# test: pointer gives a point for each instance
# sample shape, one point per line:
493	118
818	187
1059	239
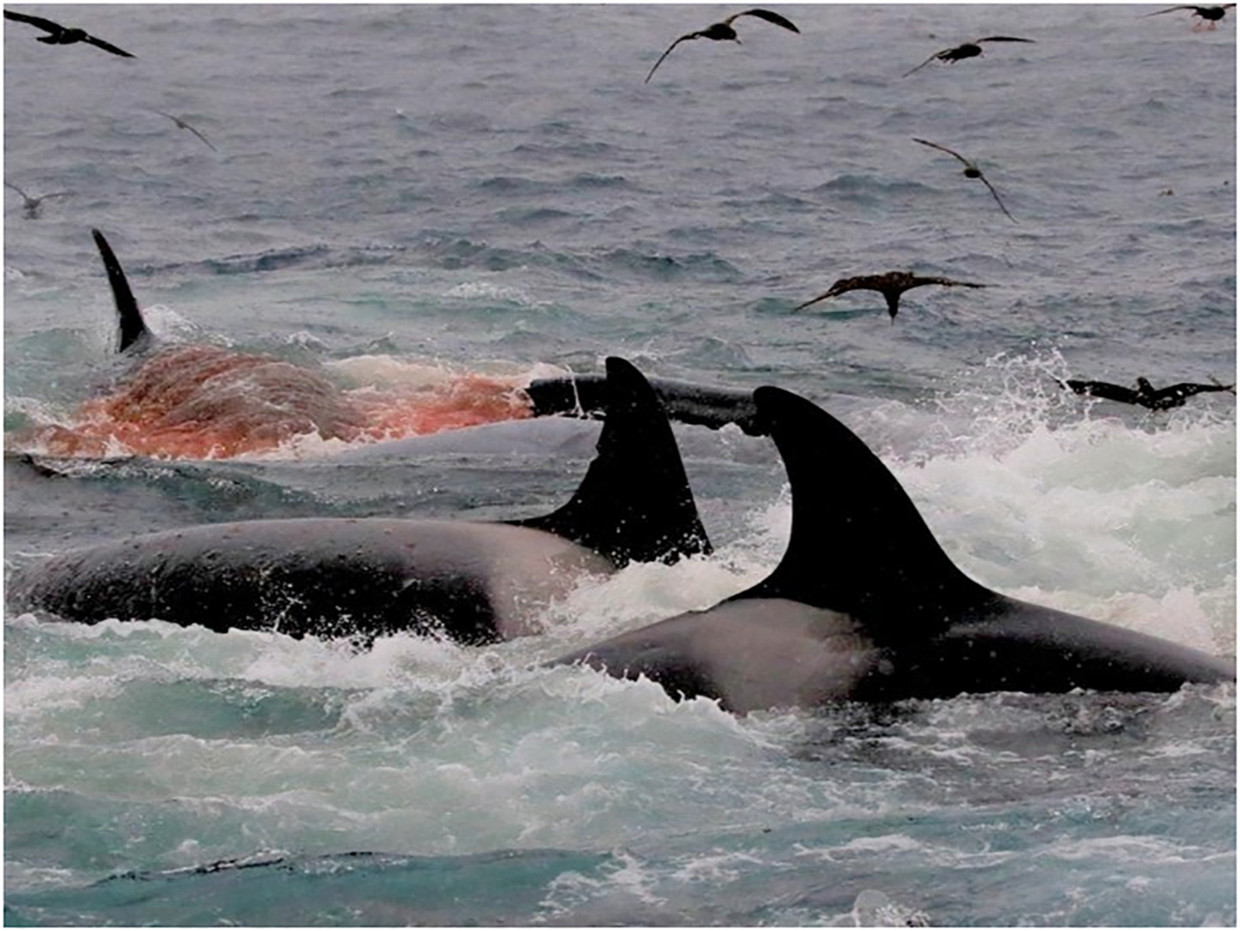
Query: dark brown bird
181	124
1145	394
32	205
890	285
1209	14
723	32
970	171
62	35
960	52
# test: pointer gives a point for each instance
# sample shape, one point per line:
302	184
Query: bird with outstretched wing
723	32
970	171
963	51
63	35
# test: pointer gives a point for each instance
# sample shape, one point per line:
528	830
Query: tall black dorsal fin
133	329
858	544
634	504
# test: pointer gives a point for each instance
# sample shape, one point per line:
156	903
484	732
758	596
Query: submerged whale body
201	401
474	582
866	606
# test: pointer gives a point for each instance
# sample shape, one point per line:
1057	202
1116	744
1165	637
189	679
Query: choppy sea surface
400	195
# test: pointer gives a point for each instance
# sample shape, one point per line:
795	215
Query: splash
207	402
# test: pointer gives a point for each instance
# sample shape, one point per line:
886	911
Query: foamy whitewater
406	200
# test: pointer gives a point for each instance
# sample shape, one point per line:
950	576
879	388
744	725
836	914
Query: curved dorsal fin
634	504
133	331
858	544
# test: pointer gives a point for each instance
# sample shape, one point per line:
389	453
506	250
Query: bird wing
995	194
45	24
1170	9
691	35
1001	39
24	195
942	148
1106	390
927	61
815	300
202	137
766	15
948	282
108	47
1188	389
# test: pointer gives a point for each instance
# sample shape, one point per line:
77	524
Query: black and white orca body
866	606
474	582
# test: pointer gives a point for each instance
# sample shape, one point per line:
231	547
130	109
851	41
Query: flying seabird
30	204
181	124
61	35
967	50
1210	14
723	32
970	171
1145	394
889	284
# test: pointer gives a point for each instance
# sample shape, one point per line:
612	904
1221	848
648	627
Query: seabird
970	171
181	124
967	50
1211	14
30	204
60	35
1145	394
723	32
889	284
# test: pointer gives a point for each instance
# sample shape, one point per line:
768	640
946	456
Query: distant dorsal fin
858	544
634	504
133	331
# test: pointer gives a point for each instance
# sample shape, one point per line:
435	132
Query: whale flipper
634	504
702	405
133	331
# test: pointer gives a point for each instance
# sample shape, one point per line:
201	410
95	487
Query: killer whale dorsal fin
132	328
634	504
858	543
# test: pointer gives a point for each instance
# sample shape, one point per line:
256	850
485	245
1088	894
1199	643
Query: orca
866	606
473	582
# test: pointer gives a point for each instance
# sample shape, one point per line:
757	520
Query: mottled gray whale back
865	605
475	582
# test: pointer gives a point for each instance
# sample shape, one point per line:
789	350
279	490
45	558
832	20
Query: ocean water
405	196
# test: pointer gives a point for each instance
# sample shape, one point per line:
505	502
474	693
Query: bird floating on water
63	35
970	171
1145	394
889	284
31	205
1208	14
181	124
967	50
723	32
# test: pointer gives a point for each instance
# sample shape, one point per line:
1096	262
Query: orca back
132	328
634	504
